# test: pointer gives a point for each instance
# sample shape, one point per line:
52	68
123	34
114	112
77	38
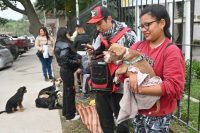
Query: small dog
117	53
15	101
58	82
48	97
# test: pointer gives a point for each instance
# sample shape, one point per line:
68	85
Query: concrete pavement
26	71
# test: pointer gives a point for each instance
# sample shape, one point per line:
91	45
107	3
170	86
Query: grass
195	88
193	108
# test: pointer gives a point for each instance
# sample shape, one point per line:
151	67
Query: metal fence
184	16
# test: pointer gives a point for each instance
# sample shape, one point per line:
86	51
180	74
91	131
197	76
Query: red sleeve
173	73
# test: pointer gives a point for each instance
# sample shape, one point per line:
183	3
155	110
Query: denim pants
107	105
46	65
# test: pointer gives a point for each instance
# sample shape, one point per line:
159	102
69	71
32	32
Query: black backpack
101	75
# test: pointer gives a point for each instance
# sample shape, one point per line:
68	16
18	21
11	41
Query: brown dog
128	57
118	52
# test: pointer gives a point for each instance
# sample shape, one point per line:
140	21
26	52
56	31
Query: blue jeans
46	65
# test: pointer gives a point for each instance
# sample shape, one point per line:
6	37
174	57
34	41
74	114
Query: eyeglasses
146	25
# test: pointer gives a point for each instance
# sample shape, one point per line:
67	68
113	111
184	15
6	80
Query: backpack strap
119	35
115	38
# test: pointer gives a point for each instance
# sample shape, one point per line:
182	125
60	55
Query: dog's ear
117	49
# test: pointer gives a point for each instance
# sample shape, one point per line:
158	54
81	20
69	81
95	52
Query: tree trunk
29	11
32	17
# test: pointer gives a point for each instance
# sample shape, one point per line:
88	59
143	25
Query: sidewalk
26	71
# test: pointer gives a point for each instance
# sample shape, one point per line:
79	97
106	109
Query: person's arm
37	44
73	36
173	77
65	56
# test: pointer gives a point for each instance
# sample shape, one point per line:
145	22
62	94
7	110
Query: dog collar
124	55
141	57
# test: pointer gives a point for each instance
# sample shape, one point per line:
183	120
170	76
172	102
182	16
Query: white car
6	58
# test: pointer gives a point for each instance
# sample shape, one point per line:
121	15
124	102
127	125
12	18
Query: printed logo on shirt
148	59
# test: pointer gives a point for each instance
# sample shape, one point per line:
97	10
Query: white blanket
130	102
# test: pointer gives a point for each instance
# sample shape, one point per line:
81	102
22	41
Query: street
26	71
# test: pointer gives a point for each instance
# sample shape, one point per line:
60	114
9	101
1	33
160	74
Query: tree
68	6
3	21
28	10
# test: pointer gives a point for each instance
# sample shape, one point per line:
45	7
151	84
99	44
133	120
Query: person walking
107	103
44	43
69	61
168	63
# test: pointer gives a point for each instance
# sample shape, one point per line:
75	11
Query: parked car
27	40
22	44
5	41
32	40
6	58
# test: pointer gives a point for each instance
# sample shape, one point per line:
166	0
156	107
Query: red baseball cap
98	13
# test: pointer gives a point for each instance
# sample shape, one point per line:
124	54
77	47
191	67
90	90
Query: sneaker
84	96
76	117
46	78
50	77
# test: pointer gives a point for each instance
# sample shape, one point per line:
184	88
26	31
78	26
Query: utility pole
77	13
45	19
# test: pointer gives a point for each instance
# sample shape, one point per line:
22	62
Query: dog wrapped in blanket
132	61
48	97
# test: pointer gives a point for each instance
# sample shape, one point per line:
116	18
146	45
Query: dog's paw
106	56
21	109
116	80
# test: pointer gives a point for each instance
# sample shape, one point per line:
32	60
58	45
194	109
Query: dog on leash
15	101
128	57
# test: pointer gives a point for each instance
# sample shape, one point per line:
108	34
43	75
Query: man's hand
89	49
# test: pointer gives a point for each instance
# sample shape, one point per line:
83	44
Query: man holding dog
107	103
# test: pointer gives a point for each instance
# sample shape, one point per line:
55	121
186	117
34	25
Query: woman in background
69	61
44	43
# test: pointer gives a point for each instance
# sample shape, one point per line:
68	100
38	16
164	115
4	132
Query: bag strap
115	38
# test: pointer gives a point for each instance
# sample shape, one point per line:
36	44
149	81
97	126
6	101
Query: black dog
15	101
48	98
47	90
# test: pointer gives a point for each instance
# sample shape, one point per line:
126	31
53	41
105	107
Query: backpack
102	73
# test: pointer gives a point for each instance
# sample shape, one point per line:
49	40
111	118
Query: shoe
84	96
50	77
46	78
76	117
